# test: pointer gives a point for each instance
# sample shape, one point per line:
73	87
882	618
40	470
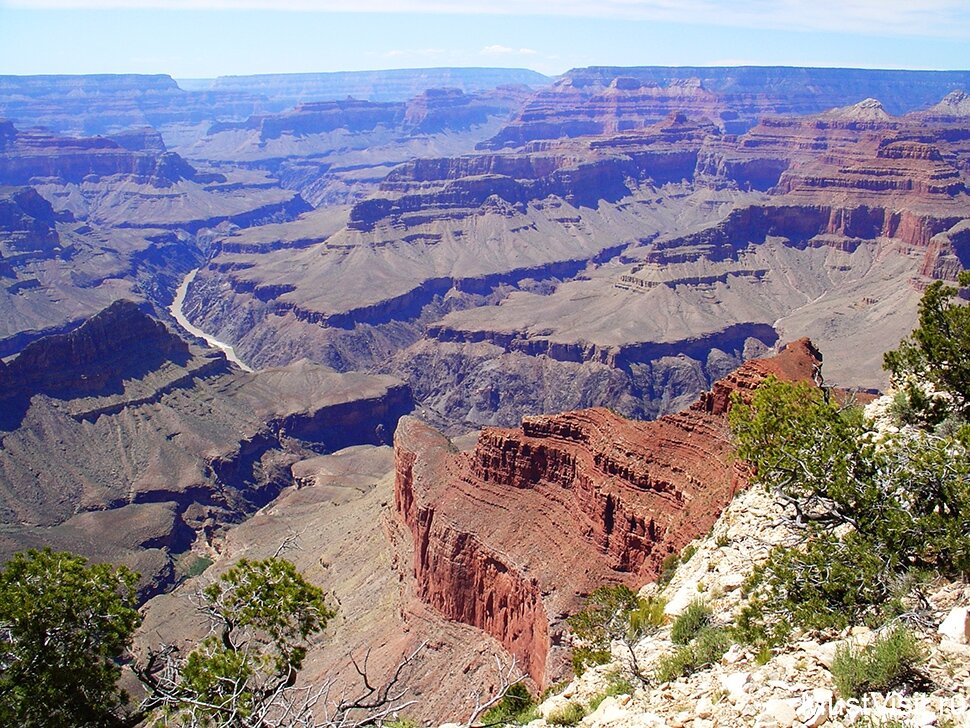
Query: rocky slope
793	684
122	442
509	536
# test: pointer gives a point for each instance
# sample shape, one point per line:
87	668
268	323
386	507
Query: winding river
176	311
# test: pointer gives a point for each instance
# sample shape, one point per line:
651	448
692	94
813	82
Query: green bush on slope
879	509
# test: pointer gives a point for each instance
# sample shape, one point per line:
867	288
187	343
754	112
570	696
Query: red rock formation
509	536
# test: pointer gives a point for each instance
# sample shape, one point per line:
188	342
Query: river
176	311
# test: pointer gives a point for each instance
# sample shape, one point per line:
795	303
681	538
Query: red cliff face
510	536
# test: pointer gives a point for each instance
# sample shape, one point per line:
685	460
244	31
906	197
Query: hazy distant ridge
389	85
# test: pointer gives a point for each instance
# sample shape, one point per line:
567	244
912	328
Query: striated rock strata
509	536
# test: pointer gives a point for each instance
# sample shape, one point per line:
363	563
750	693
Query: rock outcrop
509	535
791	684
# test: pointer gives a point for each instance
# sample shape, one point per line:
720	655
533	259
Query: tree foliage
261	615
613	613
879	504
938	352
64	625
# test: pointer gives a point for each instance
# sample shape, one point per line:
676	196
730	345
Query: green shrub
890	662
513	708
668	567
876	518
401	723
710	645
583	657
611	613
763	655
831	582
554	689
677	664
617	685
707	647
647	617
569	714
688	551
690	622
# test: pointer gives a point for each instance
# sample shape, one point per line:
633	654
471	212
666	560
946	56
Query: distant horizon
491	68
207	39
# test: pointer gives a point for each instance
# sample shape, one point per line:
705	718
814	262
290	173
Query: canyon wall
510	535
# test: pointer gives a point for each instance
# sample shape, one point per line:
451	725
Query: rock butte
509	536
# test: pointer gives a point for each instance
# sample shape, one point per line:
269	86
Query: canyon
483	544
124	443
542	292
618	265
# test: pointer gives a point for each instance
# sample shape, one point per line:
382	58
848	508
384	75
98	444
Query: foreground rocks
793	685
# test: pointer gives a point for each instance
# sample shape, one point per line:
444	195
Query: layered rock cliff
509	536
31	153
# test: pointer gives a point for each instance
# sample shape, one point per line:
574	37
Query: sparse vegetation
668	567
516	707
569	714
617	685
612	613
890	662
706	648
262	615
402	723
64	625
882	504
690	622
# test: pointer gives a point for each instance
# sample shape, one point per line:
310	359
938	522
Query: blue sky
206	38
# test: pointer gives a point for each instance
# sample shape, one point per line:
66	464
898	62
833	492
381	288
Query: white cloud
501	50
880	17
